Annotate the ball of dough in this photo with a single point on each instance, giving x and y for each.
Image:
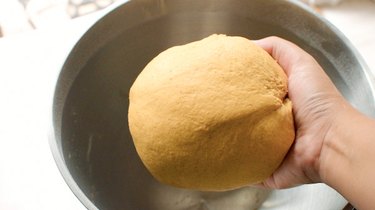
(212, 114)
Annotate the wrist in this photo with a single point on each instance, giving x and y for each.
(344, 161)
(333, 152)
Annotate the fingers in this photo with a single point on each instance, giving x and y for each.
(287, 54)
(286, 176)
(300, 67)
(314, 98)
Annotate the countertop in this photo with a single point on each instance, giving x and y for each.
(29, 66)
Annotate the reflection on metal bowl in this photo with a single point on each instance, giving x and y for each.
(91, 142)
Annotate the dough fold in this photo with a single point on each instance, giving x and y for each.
(212, 114)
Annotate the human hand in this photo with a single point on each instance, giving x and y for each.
(316, 105)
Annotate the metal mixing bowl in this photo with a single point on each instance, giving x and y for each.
(91, 141)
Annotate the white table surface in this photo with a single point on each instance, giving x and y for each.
(29, 65)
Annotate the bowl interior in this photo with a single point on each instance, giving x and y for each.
(91, 98)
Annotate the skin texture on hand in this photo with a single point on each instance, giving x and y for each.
(334, 143)
(315, 100)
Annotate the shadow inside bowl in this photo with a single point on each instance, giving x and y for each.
(91, 99)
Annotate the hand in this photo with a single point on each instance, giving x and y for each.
(316, 105)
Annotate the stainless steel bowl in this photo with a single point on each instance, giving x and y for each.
(91, 141)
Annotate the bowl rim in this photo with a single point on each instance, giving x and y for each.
(56, 149)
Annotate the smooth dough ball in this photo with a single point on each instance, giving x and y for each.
(212, 114)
